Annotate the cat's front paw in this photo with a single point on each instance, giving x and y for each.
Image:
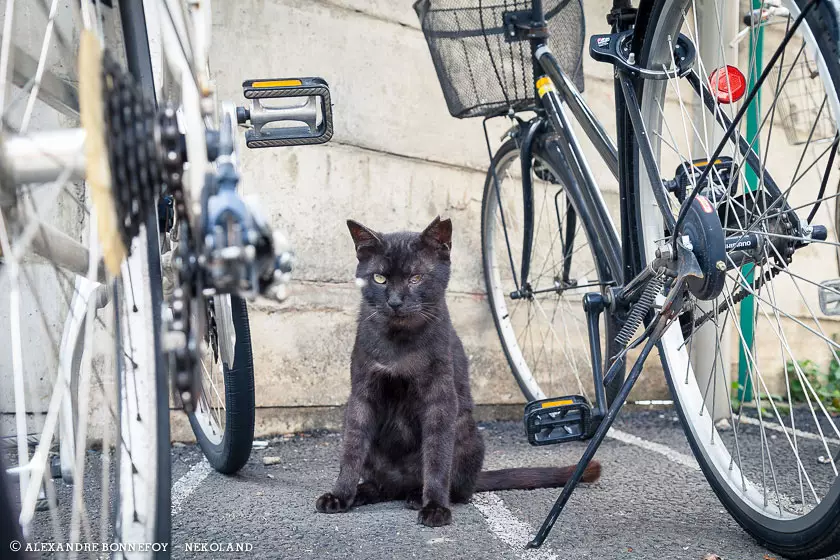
(434, 515)
(330, 503)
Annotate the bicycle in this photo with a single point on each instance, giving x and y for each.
(713, 264)
(87, 153)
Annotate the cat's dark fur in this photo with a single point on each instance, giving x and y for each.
(409, 433)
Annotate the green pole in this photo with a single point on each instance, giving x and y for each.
(747, 320)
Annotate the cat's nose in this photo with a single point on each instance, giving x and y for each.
(394, 303)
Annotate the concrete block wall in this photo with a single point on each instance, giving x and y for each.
(397, 160)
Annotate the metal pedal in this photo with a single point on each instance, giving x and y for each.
(558, 420)
(314, 112)
(721, 182)
(830, 297)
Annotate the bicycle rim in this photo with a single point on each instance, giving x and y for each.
(766, 436)
(211, 411)
(544, 336)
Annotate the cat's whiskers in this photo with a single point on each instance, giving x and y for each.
(429, 316)
(424, 310)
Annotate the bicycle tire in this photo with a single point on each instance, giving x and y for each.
(816, 534)
(139, 64)
(9, 528)
(231, 453)
(527, 383)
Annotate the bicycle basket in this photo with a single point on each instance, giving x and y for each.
(801, 107)
(483, 75)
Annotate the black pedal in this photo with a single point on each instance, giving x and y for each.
(558, 420)
(314, 112)
(721, 181)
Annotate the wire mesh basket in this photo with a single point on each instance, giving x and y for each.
(480, 73)
(802, 106)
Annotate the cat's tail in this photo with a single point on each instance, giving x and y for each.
(529, 478)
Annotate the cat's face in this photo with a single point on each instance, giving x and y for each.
(403, 275)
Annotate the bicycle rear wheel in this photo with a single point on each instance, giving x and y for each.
(744, 368)
(84, 353)
(543, 334)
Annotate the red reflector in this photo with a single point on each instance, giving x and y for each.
(728, 84)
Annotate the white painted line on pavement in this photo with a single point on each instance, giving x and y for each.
(185, 485)
(778, 428)
(675, 456)
(508, 528)
(516, 533)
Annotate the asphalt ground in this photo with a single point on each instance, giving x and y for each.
(652, 502)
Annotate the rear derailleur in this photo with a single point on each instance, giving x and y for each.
(228, 247)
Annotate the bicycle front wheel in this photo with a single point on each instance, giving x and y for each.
(754, 371)
(543, 331)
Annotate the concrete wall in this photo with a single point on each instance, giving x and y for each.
(397, 160)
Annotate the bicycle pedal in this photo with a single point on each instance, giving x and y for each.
(829, 294)
(314, 112)
(558, 420)
(721, 182)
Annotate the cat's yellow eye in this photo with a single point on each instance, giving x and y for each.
(378, 278)
(415, 279)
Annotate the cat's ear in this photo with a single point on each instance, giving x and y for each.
(365, 239)
(438, 234)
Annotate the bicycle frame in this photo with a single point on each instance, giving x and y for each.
(622, 258)
(572, 164)
(625, 266)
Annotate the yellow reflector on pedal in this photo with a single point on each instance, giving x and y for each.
(556, 403)
(276, 83)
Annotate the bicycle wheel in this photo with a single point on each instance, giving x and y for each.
(223, 421)
(744, 368)
(109, 404)
(543, 335)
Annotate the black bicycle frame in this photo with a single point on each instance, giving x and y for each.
(571, 163)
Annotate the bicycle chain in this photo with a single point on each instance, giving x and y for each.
(738, 296)
(183, 357)
(172, 155)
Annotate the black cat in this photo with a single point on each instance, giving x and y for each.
(409, 433)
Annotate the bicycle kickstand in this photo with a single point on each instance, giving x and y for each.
(670, 309)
